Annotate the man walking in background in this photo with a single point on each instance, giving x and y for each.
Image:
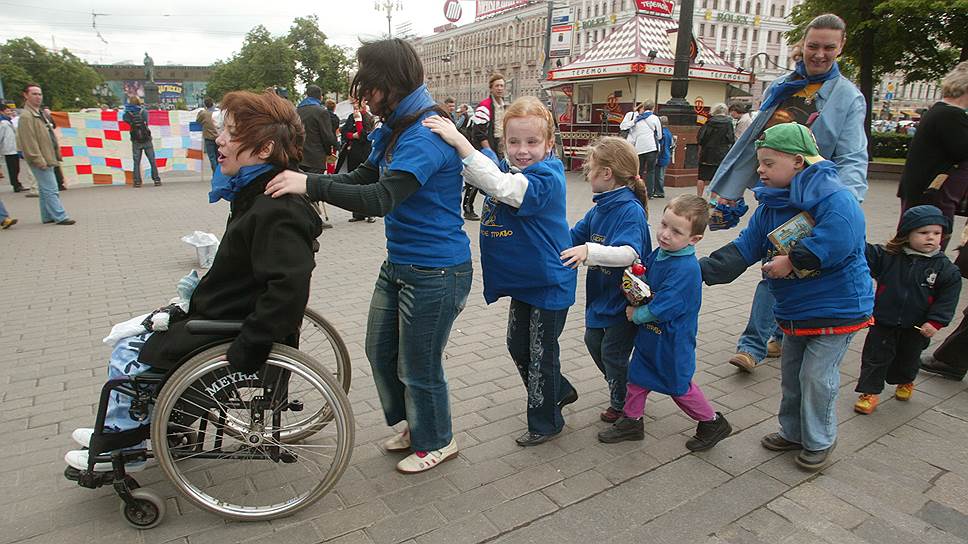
(209, 131)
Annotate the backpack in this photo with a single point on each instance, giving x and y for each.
(139, 130)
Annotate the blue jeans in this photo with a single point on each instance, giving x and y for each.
(610, 348)
(533, 344)
(3, 211)
(660, 179)
(211, 149)
(149, 150)
(51, 210)
(761, 325)
(411, 313)
(809, 382)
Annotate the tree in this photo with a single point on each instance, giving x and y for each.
(67, 81)
(318, 63)
(263, 62)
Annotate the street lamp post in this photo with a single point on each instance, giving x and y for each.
(388, 6)
(678, 109)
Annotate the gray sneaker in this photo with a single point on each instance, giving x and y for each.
(623, 429)
(815, 460)
(775, 442)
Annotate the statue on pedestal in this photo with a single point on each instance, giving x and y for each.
(149, 68)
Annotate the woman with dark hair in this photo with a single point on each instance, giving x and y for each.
(715, 138)
(260, 274)
(413, 178)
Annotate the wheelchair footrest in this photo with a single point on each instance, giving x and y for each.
(88, 479)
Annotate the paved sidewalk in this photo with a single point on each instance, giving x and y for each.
(901, 474)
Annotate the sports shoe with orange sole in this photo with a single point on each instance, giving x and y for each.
(904, 391)
(866, 404)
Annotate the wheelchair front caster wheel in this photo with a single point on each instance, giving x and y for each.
(147, 511)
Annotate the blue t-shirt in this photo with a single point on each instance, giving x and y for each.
(426, 229)
(664, 359)
(521, 247)
(616, 220)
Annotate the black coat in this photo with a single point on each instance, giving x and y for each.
(715, 139)
(912, 289)
(320, 135)
(260, 276)
(940, 142)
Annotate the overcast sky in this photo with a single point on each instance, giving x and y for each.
(199, 32)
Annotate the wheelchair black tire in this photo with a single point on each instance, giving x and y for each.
(339, 419)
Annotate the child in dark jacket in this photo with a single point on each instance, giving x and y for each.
(818, 312)
(917, 292)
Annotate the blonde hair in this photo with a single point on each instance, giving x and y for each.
(529, 106)
(827, 21)
(619, 155)
(955, 84)
(134, 101)
(692, 207)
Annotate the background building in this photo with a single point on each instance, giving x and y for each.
(458, 60)
(175, 82)
(893, 99)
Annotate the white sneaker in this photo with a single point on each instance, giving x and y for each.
(400, 442)
(78, 460)
(83, 436)
(420, 461)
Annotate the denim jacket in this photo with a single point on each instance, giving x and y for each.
(839, 130)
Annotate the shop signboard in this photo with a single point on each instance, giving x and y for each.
(655, 7)
(561, 41)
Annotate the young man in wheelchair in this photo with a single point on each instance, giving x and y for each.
(260, 276)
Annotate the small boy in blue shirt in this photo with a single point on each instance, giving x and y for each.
(821, 282)
(664, 358)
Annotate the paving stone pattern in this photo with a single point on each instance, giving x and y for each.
(901, 474)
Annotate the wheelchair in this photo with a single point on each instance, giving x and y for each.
(248, 447)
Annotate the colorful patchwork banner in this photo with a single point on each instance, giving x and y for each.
(97, 146)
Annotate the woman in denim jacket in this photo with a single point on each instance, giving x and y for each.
(834, 109)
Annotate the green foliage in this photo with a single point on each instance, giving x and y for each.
(263, 62)
(180, 104)
(316, 61)
(889, 144)
(67, 81)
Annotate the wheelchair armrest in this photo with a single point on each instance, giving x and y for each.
(210, 326)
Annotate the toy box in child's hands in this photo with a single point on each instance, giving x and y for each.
(636, 291)
(785, 237)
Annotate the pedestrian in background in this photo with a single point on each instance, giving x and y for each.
(646, 136)
(136, 116)
(8, 146)
(741, 115)
(715, 138)
(206, 118)
(35, 137)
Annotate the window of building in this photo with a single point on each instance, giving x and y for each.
(705, 4)
(747, 7)
(756, 34)
(745, 35)
(758, 6)
(782, 11)
(769, 36)
(772, 10)
(723, 36)
(715, 4)
(735, 30)
(736, 6)
(779, 36)
(595, 36)
(596, 10)
(776, 60)
(712, 30)
(624, 5)
(702, 29)
(742, 58)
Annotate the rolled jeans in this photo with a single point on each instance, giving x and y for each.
(610, 348)
(149, 150)
(533, 344)
(761, 325)
(51, 210)
(211, 149)
(411, 313)
(809, 382)
(647, 169)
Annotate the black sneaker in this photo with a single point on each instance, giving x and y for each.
(815, 460)
(775, 442)
(533, 439)
(571, 397)
(471, 216)
(623, 429)
(709, 433)
(934, 366)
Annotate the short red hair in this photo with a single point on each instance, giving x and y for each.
(263, 118)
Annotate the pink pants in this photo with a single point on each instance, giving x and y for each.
(693, 403)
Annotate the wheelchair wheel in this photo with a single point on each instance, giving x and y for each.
(147, 511)
(221, 436)
(319, 339)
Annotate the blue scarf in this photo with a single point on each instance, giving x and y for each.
(5, 118)
(419, 99)
(309, 101)
(226, 188)
(642, 116)
(790, 87)
(772, 197)
(132, 109)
